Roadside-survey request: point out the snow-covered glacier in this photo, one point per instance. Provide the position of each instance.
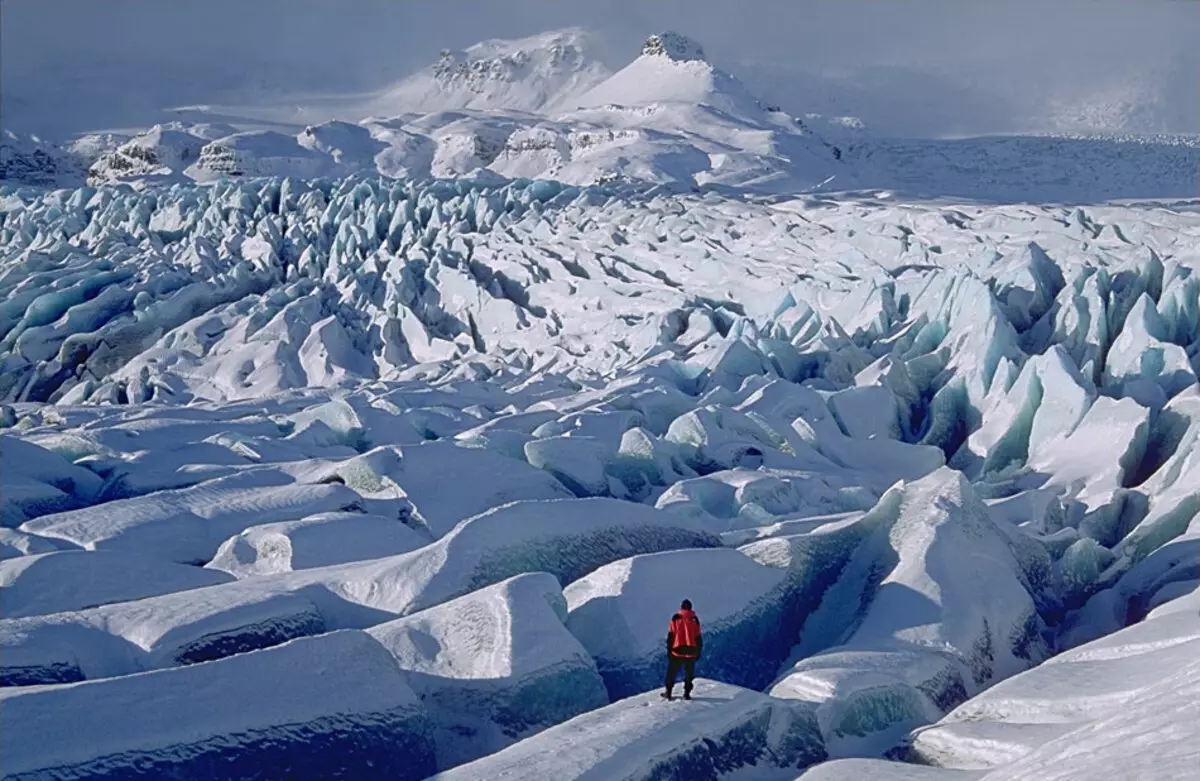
(897, 454)
(241, 290)
(391, 450)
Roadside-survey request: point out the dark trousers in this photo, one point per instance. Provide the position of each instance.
(674, 663)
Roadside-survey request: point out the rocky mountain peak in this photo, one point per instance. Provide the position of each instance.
(511, 61)
(673, 46)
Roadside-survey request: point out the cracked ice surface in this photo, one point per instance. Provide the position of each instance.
(908, 450)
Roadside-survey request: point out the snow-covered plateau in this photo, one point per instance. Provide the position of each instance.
(387, 449)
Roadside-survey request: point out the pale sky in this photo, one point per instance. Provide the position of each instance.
(923, 67)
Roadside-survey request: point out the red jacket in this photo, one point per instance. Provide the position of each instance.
(683, 636)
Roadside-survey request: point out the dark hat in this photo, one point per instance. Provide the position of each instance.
(686, 605)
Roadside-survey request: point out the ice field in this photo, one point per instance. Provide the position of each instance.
(332, 469)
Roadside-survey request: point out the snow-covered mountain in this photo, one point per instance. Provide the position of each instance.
(545, 107)
(672, 69)
(539, 107)
(162, 152)
(511, 108)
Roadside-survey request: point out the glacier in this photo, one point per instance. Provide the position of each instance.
(388, 447)
(384, 398)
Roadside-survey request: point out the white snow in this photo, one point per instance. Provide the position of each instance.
(169, 630)
(316, 541)
(15, 543)
(37, 482)
(853, 769)
(65, 580)
(188, 525)
(1119, 707)
(456, 401)
(671, 69)
(568, 538)
(537, 74)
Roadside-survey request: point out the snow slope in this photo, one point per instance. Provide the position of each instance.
(194, 625)
(316, 541)
(60, 581)
(187, 526)
(671, 69)
(877, 667)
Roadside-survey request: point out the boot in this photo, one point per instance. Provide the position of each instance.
(667, 695)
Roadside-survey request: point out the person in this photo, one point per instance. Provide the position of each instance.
(684, 644)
